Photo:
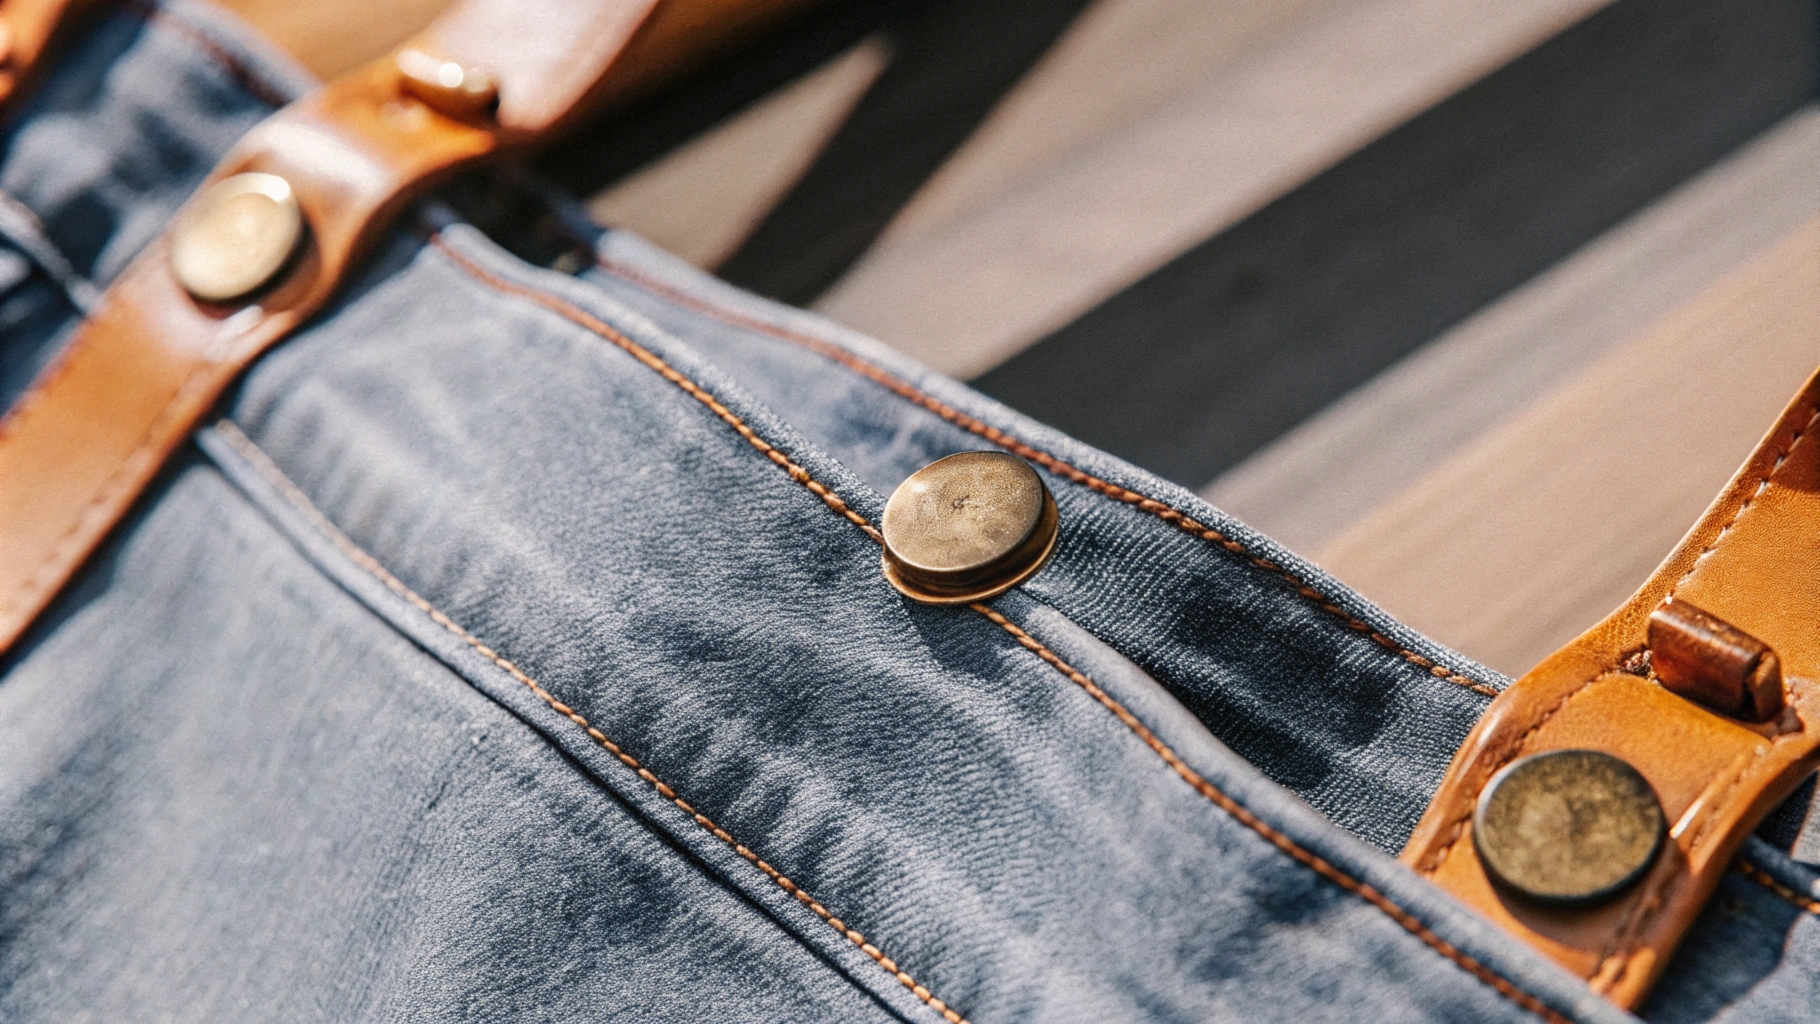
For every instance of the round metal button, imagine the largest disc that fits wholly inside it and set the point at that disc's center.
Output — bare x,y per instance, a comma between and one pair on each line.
235,235
1568,826
967,527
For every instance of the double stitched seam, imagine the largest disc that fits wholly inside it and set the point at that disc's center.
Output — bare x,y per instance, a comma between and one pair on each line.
275,476
905,390
1763,878
223,58
1219,798
1738,516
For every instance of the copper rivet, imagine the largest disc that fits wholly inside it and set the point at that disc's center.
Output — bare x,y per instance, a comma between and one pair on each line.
967,527
235,235
1713,663
449,87
1568,826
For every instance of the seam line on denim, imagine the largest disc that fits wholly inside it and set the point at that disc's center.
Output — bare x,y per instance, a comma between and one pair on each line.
605,330
1169,514
269,470
223,58
1212,793
1277,839
1766,880
1738,516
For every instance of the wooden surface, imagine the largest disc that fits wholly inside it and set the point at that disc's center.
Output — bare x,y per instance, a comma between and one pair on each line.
1535,531
1337,467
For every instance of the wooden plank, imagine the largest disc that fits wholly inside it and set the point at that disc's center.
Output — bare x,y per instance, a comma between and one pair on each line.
1334,469
1208,359
964,298
1538,529
702,199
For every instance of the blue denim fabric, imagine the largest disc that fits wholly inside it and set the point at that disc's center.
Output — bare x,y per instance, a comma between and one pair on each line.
510,650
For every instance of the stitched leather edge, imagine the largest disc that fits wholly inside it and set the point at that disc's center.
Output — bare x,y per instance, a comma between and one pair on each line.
1621,948
1169,514
1219,798
269,470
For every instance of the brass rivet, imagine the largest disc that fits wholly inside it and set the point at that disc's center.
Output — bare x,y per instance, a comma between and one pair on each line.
449,87
967,527
1568,826
235,235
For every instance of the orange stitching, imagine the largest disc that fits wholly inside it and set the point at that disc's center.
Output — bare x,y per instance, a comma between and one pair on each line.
1219,798
1761,877
595,325
262,91
110,486
1275,838
1167,513
1738,516
275,476
1509,754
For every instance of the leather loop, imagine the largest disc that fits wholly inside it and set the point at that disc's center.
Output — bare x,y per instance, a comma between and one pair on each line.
1753,562
78,448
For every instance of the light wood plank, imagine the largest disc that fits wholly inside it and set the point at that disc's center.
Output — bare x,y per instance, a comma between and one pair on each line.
1538,529
1334,469
986,285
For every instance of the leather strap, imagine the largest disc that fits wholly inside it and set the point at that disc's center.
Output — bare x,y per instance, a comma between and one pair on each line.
79,447
1753,562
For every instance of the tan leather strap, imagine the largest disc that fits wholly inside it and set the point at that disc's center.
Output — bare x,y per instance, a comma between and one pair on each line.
1753,563
78,448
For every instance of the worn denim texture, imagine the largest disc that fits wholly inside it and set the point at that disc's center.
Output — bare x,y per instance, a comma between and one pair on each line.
510,650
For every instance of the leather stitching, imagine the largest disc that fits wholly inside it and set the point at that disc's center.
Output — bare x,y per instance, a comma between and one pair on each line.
1505,756
905,390
1763,878
301,502
49,569
1738,516
1219,798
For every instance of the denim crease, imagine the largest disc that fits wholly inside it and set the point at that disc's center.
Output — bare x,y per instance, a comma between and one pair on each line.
514,646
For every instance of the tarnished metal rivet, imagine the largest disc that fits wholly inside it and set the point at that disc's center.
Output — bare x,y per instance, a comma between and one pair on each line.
1713,663
449,87
235,235
1568,826
967,527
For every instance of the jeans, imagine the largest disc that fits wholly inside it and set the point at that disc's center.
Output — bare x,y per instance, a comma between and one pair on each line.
510,648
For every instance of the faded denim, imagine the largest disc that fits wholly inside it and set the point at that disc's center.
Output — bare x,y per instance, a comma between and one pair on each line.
509,650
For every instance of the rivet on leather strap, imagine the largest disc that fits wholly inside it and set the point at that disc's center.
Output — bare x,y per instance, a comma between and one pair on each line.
78,448
1734,608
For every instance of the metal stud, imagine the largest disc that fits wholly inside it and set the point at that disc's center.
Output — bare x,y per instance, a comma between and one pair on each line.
1568,826
967,527
235,236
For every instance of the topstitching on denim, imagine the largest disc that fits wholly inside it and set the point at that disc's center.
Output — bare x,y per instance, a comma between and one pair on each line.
1786,894
1218,797
22,228
269,470
1168,513
255,83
